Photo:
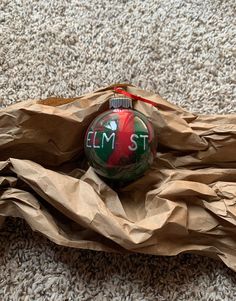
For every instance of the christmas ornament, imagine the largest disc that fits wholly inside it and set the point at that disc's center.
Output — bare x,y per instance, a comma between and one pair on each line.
120,144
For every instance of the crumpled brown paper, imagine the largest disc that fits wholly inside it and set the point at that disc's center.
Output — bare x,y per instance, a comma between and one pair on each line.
185,203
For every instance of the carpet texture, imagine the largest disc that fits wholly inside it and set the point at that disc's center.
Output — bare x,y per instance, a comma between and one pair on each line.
185,50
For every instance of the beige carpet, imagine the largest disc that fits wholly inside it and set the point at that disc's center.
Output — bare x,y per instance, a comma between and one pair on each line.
185,50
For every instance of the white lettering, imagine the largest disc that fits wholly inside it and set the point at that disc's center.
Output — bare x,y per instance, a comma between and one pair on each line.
89,139
94,141
144,141
134,146
105,137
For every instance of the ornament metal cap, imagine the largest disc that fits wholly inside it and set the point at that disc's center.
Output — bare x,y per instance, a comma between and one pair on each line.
120,103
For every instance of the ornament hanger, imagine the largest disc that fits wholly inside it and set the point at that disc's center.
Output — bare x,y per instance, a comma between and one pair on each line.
135,97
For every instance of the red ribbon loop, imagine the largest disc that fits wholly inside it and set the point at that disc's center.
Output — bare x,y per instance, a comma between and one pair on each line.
136,97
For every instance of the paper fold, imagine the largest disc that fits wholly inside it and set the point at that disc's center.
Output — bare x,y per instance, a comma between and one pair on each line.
186,202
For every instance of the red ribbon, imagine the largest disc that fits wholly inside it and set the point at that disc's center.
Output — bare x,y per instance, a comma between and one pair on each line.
136,97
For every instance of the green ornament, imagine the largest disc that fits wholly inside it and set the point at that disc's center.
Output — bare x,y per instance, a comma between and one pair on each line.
120,144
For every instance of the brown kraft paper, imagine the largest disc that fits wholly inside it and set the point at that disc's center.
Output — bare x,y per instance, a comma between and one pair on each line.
186,202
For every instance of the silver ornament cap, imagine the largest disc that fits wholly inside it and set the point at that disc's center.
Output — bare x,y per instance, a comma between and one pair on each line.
120,103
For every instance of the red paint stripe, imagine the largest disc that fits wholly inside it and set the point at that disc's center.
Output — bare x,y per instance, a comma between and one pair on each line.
125,130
